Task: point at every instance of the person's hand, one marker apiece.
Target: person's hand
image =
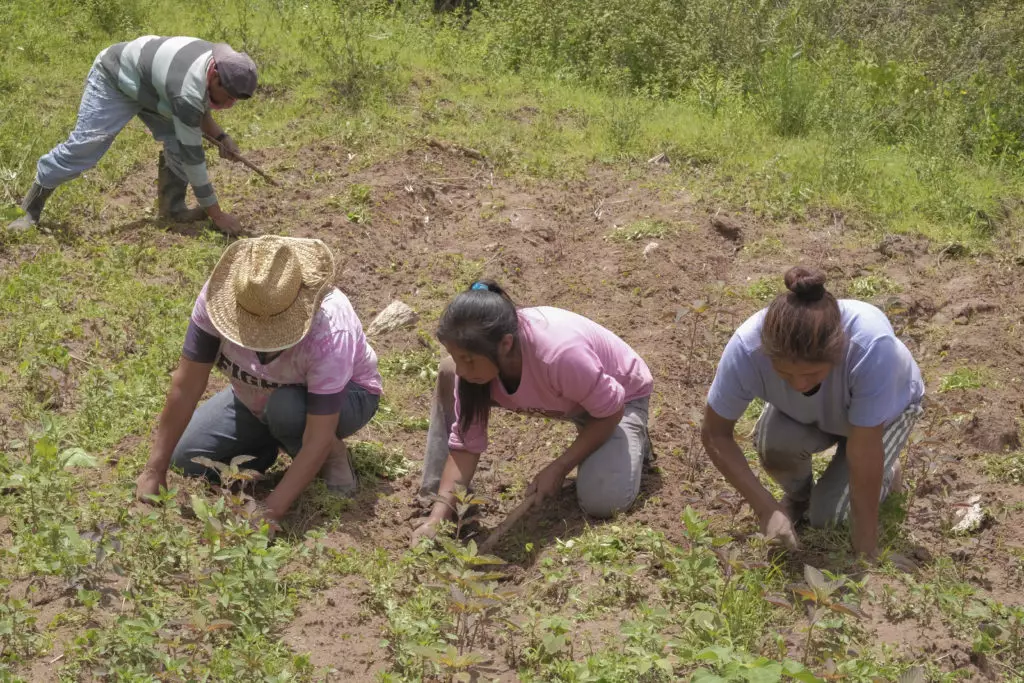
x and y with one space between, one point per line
149 483
229 149
259 513
226 222
776 526
426 530
548 482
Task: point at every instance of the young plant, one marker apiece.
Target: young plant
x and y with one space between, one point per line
232 474
822 595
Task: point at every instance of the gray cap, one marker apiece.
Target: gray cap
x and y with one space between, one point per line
237 71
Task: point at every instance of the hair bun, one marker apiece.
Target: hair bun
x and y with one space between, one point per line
807 283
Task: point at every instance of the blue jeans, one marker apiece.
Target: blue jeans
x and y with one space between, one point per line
102 114
224 428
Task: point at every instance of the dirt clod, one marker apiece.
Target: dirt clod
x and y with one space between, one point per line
727 227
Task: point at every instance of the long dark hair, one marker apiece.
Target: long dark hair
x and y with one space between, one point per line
477 320
804 324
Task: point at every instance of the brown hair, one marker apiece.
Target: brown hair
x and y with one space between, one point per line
804 324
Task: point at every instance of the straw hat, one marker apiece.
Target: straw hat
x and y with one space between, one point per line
264 292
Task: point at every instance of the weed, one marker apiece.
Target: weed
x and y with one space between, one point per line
769 245
872 286
375 460
763 289
1005 467
964 378
19 637
420 366
645 229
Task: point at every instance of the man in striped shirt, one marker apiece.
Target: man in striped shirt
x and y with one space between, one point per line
171 84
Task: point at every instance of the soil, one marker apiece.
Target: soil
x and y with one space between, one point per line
439 218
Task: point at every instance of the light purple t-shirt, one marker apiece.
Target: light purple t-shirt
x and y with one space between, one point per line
333 353
874 383
571 366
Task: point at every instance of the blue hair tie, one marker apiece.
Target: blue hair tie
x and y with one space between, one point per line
480 286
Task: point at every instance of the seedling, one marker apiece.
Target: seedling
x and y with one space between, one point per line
820 595
472 598
233 473
463 507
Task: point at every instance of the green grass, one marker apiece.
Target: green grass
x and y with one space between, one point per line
764 289
964 378
1005 467
642 230
91 322
871 286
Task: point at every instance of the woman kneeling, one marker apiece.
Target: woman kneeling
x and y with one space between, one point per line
543 360
832 373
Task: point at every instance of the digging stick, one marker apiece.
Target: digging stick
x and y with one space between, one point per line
213 141
508 523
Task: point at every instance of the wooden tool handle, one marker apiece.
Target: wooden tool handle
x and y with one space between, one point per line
508 523
214 141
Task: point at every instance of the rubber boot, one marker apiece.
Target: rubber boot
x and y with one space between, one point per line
338 472
171 193
32 205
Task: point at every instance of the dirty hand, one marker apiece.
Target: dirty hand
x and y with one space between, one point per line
548 481
778 527
426 530
229 148
259 513
149 483
226 223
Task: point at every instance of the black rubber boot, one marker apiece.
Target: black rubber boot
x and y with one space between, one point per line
171 193
32 205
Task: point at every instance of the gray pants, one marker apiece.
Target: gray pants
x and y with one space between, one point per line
606 482
103 112
223 427
785 447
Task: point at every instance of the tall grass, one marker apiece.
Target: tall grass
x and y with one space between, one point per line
905 115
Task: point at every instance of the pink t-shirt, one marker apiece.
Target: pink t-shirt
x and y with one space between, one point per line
334 353
571 366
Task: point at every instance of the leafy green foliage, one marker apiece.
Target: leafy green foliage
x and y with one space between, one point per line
372 459
642 230
963 378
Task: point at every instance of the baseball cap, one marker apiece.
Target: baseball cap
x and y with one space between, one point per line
237 71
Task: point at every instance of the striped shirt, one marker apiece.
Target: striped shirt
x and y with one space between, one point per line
167 76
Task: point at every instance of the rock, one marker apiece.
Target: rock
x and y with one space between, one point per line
396 316
971 517
728 228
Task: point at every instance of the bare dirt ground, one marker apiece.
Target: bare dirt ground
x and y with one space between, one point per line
438 218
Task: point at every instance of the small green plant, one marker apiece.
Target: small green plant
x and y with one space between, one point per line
19 637
769 245
420 365
763 289
871 286
357 204
232 475
822 595
373 459
1005 467
645 229
963 378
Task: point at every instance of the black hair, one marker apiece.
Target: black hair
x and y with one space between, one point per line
477 320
